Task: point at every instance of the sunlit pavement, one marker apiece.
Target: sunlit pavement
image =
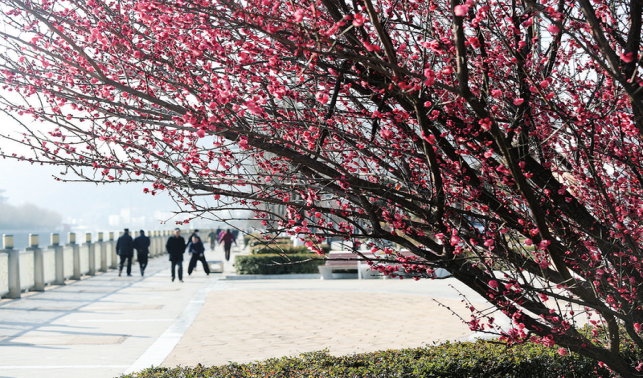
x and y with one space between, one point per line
105 325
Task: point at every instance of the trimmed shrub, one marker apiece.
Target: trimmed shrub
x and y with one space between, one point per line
278 249
277 264
454 360
274 249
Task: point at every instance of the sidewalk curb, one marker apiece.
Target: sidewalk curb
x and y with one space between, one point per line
302 276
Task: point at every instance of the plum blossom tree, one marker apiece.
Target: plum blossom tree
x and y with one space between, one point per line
498 139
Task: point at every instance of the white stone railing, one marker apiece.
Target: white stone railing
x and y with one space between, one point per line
36 266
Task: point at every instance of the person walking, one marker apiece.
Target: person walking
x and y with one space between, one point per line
213 236
189 242
175 247
142 244
195 233
197 252
227 239
125 249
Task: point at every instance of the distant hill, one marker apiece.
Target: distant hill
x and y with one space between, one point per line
27 217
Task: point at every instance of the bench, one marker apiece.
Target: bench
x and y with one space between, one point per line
338 266
216 266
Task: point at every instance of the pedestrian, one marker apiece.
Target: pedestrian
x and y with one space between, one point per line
189 242
197 252
212 237
175 247
142 244
195 233
125 249
227 239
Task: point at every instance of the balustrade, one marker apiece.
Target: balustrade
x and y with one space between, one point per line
36 267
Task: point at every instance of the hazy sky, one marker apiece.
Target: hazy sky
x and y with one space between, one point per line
85 203
88 204
25 183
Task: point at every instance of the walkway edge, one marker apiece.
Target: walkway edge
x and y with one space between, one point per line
163 346
296 276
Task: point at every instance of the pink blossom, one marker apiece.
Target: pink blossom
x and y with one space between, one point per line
637 327
497 93
489 242
200 133
493 284
553 29
387 133
253 107
461 10
562 351
358 20
243 143
518 101
627 57
529 242
322 97
299 15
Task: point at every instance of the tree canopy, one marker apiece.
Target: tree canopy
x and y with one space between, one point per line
498 139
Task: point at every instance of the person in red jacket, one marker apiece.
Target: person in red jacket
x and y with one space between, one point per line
227 239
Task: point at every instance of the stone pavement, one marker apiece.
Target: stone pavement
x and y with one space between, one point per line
105 325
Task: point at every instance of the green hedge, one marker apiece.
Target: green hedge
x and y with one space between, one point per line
282 249
276 248
264 264
454 360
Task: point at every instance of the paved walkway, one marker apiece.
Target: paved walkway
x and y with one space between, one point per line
106 325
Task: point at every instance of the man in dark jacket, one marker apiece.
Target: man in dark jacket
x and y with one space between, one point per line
142 244
125 249
175 247
197 250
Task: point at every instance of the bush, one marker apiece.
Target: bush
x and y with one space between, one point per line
260 240
278 249
454 360
275 248
266 264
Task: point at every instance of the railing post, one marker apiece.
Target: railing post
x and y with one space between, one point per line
155 243
92 254
59 256
38 263
118 258
150 234
103 252
112 250
75 247
14 266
